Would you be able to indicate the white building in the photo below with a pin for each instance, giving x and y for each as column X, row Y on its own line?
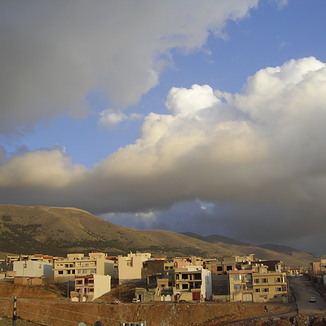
column 192, row 283
column 31, row 268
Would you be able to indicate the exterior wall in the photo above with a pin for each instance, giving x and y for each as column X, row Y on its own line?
column 270, row 287
column 33, row 268
column 130, row 267
column 30, row 281
column 90, row 287
column 152, row 267
column 102, row 285
column 77, row 264
column 258, row 286
column 240, row 285
column 181, row 262
column 192, row 283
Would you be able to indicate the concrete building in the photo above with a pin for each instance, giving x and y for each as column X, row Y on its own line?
column 258, row 285
column 31, row 268
column 90, row 287
column 130, row 266
column 65, row 269
column 192, row 283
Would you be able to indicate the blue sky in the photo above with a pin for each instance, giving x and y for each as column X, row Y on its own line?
column 186, row 116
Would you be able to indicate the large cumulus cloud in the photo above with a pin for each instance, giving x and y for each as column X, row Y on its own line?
column 258, row 155
column 55, row 55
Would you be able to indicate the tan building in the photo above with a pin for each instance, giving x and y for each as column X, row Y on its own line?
column 130, row 266
column 65, row 269
column 258, row 286
column 90, row 287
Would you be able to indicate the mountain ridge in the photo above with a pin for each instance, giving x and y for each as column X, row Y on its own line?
column 61, row 230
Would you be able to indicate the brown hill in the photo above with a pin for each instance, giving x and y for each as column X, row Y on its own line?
column 57, row 231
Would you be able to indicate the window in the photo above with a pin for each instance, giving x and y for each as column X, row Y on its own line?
column 177, row 286
column 237, row 287
column 283, row 288
column 60, row 272
column 278, row 289
column 256, row 280
column 266, row 290
column 277, row 280
column 177, row 277
column 219, row 268
column 229, row 268
column 79, row 282
column 185, row 286
column 197, row 276
column 257, row 290
column 236, row 277
column 264, row 280
column 184, row 276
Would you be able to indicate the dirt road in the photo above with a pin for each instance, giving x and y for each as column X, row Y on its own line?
column 303, row 290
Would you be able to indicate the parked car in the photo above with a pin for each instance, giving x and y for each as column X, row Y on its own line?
column 312, row 299
column 135, row 300
column 115, row 302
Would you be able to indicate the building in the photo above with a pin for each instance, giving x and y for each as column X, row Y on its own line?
column 31, row 268
column 65, row 269
column 130, row 266
column 90, row 287
column 258, row 285
column 192, row 283
column 240, row 286
column 270, row 287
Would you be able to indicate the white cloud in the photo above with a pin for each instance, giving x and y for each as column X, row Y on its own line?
column 186, row 101
column 262, row 153
column 54, row 54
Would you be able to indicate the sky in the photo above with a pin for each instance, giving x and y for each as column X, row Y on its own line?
column 188, row 116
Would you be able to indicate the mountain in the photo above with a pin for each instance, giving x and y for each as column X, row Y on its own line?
column 213, row 238
column 58, row 231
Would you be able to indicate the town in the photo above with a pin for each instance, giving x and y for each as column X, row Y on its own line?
column 180, row 279
column 257, row 287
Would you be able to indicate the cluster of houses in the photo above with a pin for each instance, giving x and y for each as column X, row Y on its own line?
column 234, row 279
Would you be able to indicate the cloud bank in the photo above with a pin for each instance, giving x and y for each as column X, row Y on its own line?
column 56, row 55
column 258, row 155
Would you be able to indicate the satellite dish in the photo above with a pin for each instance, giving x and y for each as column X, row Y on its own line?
column 98, row 323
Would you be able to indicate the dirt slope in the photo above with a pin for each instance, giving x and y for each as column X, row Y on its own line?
column 56, row 231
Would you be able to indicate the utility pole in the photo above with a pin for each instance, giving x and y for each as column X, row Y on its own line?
column 14, row 312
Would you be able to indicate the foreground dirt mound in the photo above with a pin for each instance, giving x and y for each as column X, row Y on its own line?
column 22, row 291
column 63, row 312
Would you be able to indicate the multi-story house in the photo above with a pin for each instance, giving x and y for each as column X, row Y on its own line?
column 258, row 285
column 30, row 268
column 65, row 269
column 192, row 283
column 270, row 286
column 90, row 287
column 130, row 266
column 240, row 285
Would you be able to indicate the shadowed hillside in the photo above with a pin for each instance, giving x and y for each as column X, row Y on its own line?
column 57, row 231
